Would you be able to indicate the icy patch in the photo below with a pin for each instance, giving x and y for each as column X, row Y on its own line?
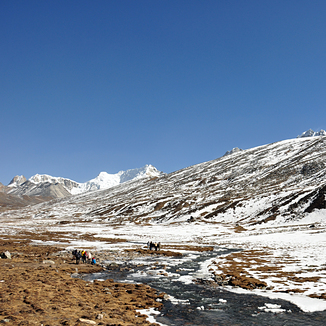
column 186, row 279
column 274, row 308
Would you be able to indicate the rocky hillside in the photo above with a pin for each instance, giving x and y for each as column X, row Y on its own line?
column 278, row 182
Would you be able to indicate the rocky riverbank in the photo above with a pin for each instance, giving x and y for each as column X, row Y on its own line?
column 36, row 288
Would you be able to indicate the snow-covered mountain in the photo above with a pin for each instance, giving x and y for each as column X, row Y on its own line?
column 279, row 182
column 105, row 180
column 57, row 187
column 311, row 133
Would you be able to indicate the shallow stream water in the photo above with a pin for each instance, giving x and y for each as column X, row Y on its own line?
column 188, row 303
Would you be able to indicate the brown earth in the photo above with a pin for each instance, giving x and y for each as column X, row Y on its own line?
column 36, row 288
column 59, row 237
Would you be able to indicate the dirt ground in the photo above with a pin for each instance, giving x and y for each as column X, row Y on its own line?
column 36, row 288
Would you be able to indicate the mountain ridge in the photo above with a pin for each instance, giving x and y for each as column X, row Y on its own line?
column 47, row 187
column 284, row 180
column 274, row 183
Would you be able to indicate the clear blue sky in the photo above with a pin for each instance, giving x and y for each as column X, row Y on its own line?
column 91, row 86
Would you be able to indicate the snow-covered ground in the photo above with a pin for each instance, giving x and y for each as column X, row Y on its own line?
column 292, row 263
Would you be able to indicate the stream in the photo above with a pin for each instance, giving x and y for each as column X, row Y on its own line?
column 189, row 303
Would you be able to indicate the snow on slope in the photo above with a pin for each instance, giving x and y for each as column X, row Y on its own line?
column 105, row 180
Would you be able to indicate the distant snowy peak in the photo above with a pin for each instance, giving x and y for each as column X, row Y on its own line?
column 17, row 180
column 146, row 171
column 311, row 133
column 41, row 178
column 105, row 180
column 233, row 150
column 46, row 185
column 44, row 178
column 64, row 186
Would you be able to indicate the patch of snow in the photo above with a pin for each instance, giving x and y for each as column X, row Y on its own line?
column 274, row 308
column 151, row 313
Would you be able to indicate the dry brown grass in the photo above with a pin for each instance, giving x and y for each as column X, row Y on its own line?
column 34, row 293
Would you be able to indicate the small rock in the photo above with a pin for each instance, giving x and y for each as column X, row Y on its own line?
column 87, row 321
column 50, row 262
column 5, row 321
column 99, row 316
column 166, row 297
column 6, row 255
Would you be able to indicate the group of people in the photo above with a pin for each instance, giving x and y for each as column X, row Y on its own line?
column 83, row 255
column 153, row 245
